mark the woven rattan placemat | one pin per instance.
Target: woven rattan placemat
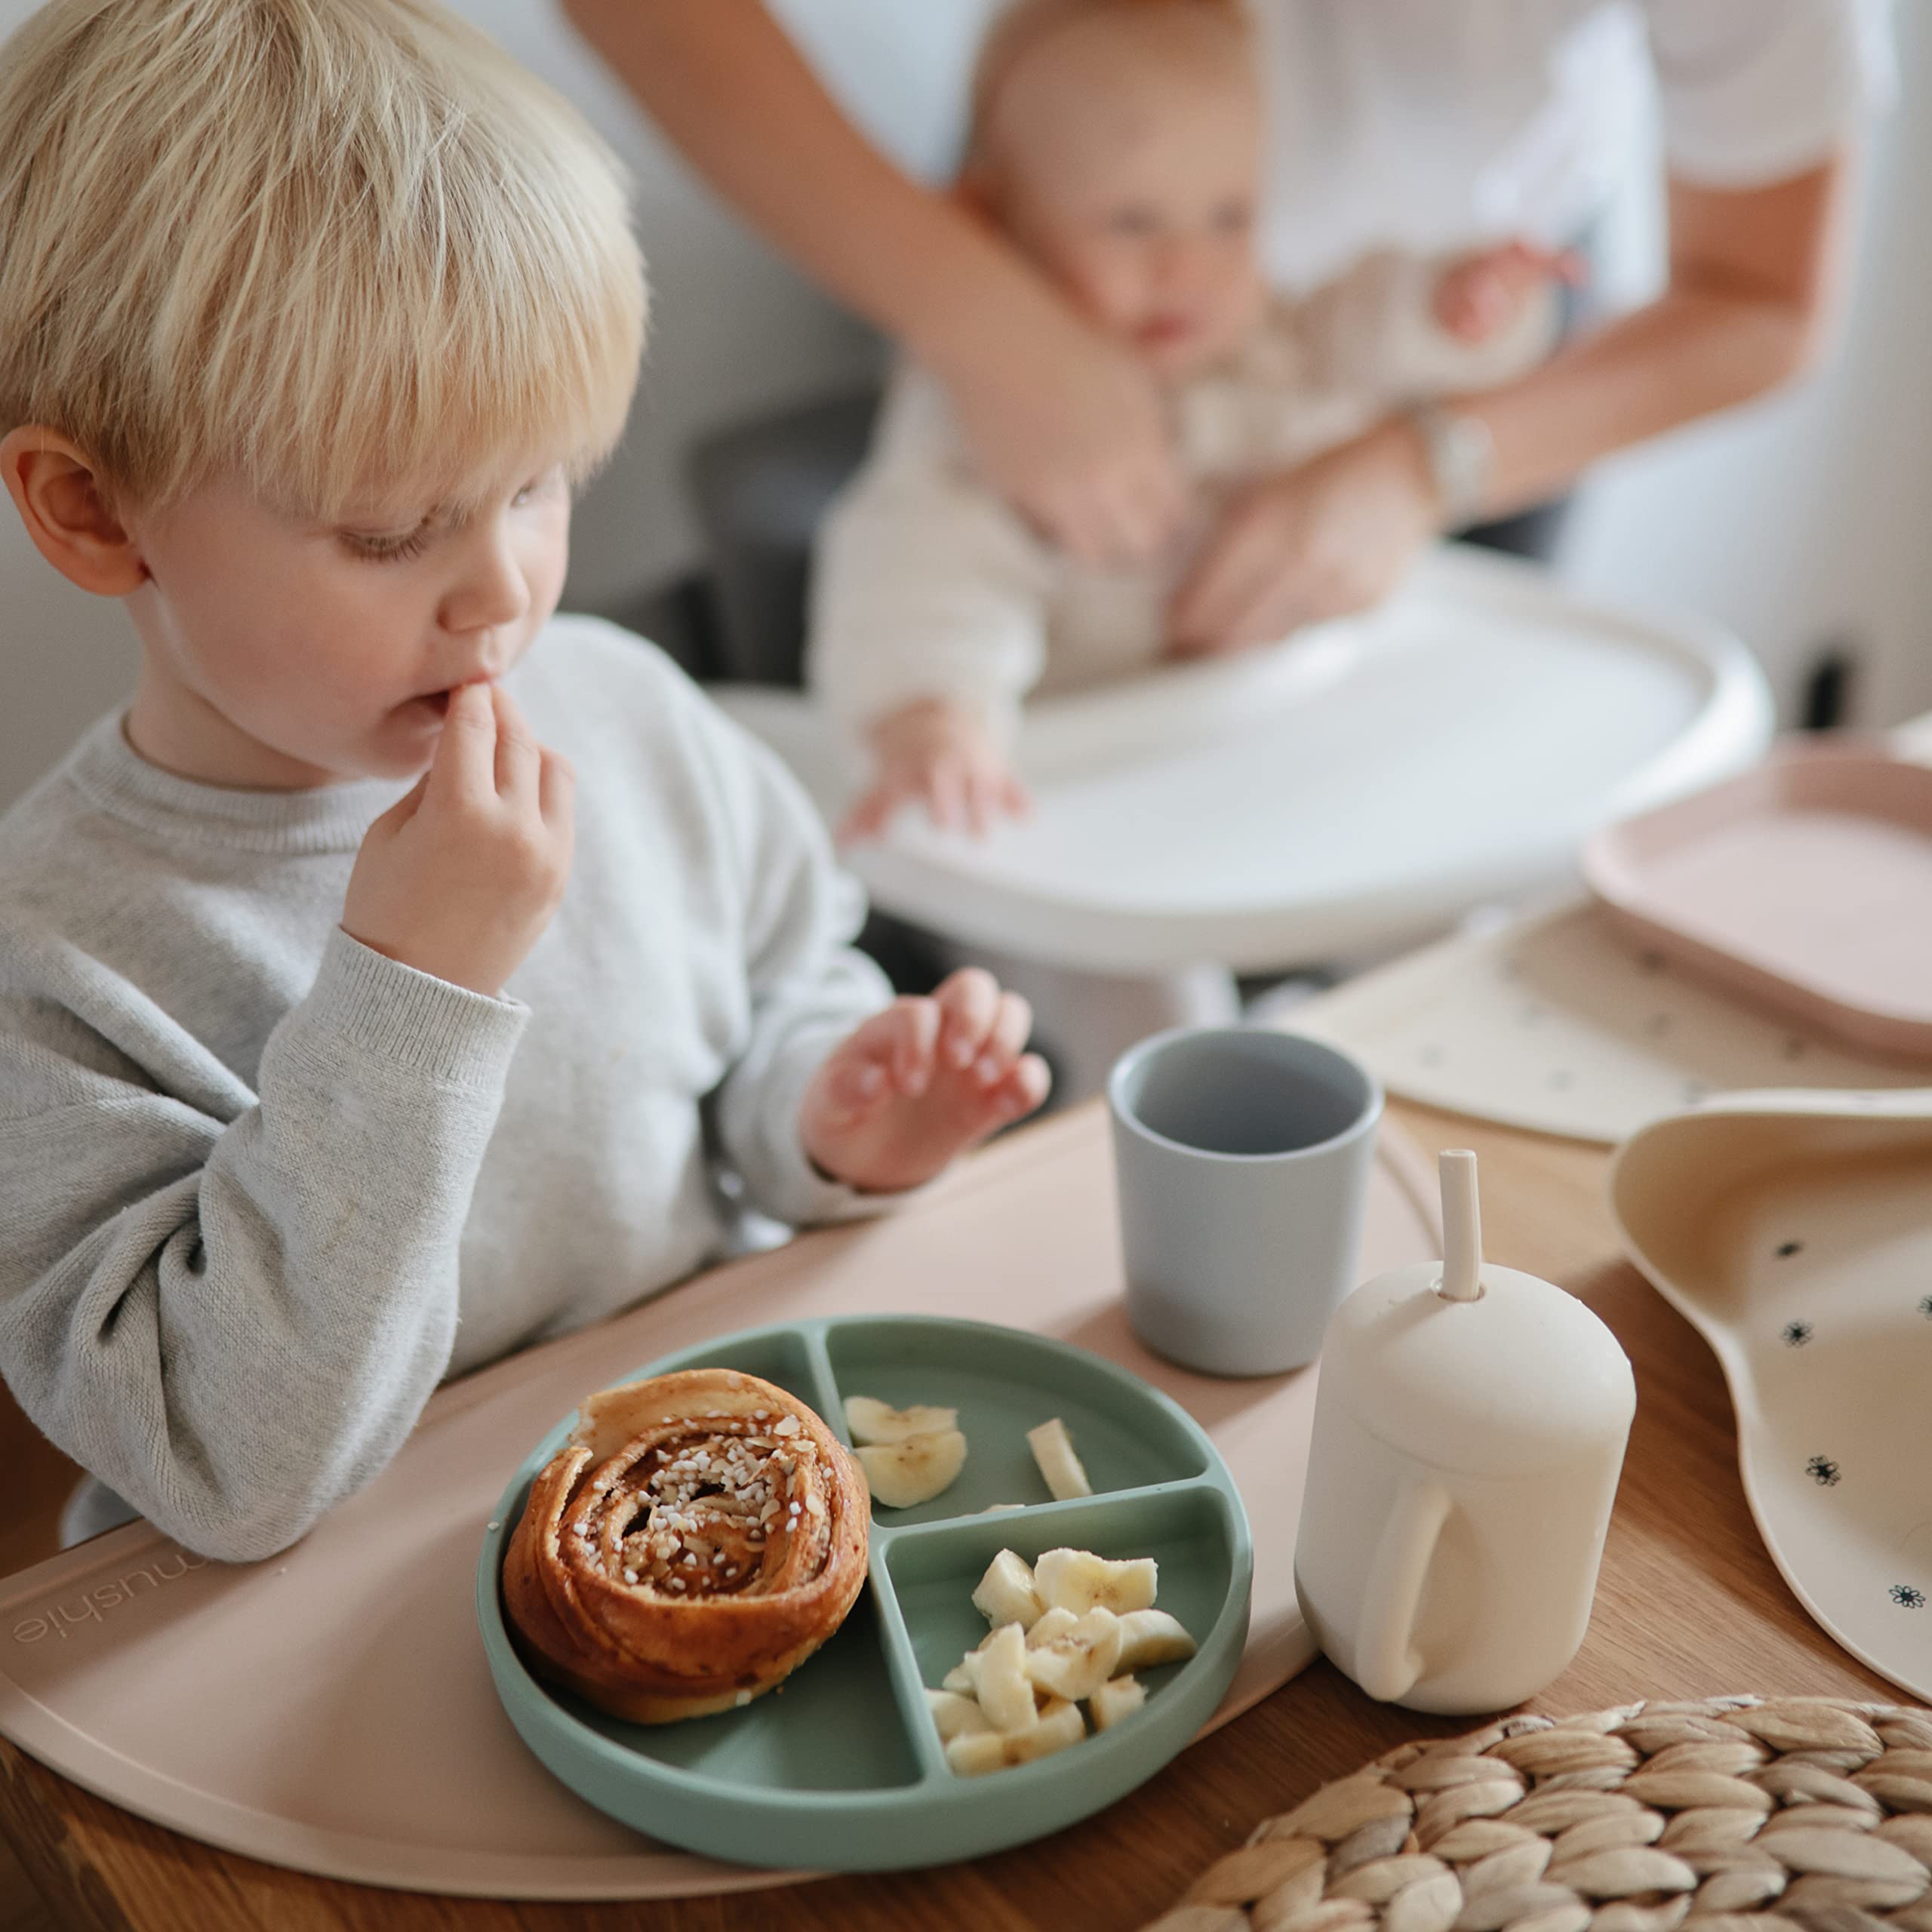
(1734, 1815)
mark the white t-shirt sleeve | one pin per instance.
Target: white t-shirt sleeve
(1753, 91)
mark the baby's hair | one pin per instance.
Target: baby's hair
(1024, 26)
(320, 246)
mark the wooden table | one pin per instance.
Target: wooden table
(1689, 1606)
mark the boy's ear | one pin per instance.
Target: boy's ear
(59, 494)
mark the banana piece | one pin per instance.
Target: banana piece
(1079, 1663)
(1119, 1698)
(955, 1716)
(999, 1670)
(1057, 1727)
(913, 1469)
(1053, 1450)
(871, 1420)
(1079, 1581)
(1149, 1637)
(960, 1680)
(1005, 1595)
(1051, 1625)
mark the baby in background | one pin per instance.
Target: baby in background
(411, 974)
(1118, 143)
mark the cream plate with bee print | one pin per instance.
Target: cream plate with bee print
(1794, 1230)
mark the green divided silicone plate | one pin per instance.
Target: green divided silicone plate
(840, 1768)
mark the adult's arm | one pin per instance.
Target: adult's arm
(1754, 282)
(1066, 423)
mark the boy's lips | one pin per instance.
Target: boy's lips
(438, 701)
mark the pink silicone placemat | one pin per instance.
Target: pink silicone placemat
(330, 1709)
(1805, 883)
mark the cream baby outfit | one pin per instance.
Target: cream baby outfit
(926, 584)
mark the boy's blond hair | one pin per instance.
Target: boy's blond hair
(325, 246)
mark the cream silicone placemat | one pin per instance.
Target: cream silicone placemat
(331, 1709)
(1559, 1024)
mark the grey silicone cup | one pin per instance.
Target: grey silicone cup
(841, 1769)
(1237, 1255)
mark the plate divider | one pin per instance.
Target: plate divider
(824, 1383)
(1059, 1509)
(909, 1689)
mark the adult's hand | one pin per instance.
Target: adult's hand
(1067, 424)
(1333, 536)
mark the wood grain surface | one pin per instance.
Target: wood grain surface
(1689, 1605)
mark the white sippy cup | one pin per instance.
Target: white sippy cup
(1469, 1428)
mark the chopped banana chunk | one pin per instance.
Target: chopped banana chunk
(1053, 1450)
(914, 1470)
(1077, 1664)
(872, 1421)
(1149, 1637)
(955, 1716)
(1078, 1580)
(1005, 1595)
(999, 1671)
(1051, 1624)
(1119, 1698)
(1057, 1727)
(961, 1680)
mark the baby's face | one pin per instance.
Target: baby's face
(281, 651)
(1131, 180)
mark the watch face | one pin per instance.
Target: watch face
(1461, 454)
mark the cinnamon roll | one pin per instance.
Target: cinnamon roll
(697, 1538)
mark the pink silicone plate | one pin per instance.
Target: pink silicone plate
(1806, 884)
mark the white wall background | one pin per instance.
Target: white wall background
(1799, 521)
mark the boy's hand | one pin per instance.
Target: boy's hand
(941, 752)
(1484, 294)
(459, 877)
(920, 1082)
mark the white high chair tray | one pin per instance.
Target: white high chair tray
(1789, 1228)
(1357, 784)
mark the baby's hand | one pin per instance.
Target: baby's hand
(459, 877)
(1484, 294)
(942, 752)
(920, 1083)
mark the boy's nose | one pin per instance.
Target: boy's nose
(492, 591)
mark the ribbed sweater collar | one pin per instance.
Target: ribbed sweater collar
(329, 818)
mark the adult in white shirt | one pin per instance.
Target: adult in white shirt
(1425, 124)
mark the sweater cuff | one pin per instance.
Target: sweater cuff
(391, 1010)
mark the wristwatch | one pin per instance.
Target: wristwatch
(1461, 455)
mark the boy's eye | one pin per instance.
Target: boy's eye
(548, 482)
(389, 549)
(1132, 221)
(1234, 217)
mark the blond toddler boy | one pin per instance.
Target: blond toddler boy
(1117, 144)
(411, 973)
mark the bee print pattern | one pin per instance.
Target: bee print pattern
(1823, 1472)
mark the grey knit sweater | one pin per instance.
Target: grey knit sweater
(261, 1188)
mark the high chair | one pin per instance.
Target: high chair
(1355, 787)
